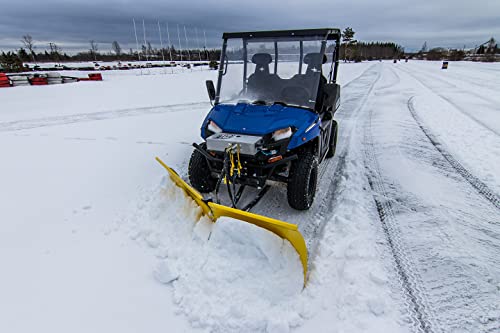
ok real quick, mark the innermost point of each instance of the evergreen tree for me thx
(10, 62)
(348, 40)
(116, 48)
(23, 55)
(424, 48)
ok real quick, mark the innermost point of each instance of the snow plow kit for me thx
(267, 127)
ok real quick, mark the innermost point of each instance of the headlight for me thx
(283, 133)
(213, 127)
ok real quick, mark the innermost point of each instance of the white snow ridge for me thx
(226, 276)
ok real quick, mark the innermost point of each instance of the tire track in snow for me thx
(449, 291)
(408, 281)
(436, 247)
(455, 105)
(451, 84)
(343, 114)
(11, 126)
(403, 265)
(475, 182)
(332, 171)
(311, 223)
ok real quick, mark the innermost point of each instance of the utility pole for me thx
(136, 41)
(187, 44)
(197, 43)
(169, 43)
(161, 43)
(145, 44)
(205, 46)
(179, 36)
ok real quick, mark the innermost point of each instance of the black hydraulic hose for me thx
(225, 174)
(217, 186)
(221, 177)
(230, 193)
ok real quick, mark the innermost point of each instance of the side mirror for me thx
(210, 90)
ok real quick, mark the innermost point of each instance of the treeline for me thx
(148, 54)
(353, 50)
(168, 54)
(439, 53)
(13, 61)
(486, 52)
(362, 51)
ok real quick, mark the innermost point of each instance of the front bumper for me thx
(257, 169)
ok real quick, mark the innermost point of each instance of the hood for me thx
(259, 119)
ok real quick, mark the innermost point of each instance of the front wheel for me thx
(302, 181)
(199, 172)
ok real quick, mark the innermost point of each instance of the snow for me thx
(202, 259)
(95, 237)
(119, 90)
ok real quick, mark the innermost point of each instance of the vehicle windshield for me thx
(276, 71)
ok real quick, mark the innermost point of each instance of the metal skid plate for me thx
(248, 143)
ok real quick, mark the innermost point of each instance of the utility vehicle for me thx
(273, 114)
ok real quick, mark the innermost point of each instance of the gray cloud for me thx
(72, 23)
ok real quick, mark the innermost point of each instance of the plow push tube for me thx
(213, 211)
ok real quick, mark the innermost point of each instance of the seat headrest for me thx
(314, 59)
(262, 58)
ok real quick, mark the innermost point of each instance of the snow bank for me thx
(227, 276)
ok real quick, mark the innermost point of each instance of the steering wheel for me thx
(295, 94)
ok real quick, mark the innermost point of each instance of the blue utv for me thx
(273, 115)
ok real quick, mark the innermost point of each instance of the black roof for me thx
(328, 33)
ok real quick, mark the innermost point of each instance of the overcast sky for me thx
(72, 23)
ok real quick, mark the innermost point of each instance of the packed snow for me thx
(95, 237)
(202, 259)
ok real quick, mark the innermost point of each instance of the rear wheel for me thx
(199, 172)
(332, 144)
(302, 181)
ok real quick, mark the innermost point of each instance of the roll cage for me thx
(275, 37)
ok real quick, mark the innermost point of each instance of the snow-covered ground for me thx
(404, 234)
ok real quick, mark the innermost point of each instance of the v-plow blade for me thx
(213, 211)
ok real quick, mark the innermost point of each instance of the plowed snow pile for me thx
(230, 275)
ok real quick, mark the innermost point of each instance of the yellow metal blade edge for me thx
(284, 230)
(195, 195)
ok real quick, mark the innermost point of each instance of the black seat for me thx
(262, 84)
(314, 62)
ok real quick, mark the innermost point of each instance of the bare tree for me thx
(116, 48)
(93, 49)
(55, 52)
(29, 45)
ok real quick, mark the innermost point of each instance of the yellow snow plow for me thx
(213, 211)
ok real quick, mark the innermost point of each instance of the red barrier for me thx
(39, 81)
(4, 81)
(95, 77)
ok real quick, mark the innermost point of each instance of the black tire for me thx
(332, 144)
(199, 174)
(302, 181)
